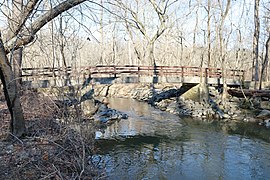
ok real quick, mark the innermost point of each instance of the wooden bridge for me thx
(128, 73)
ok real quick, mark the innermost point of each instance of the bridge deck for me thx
(169, 74)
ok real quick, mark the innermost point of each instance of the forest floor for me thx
(49, 150)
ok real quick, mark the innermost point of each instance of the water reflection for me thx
(162, 146)
(143, 120)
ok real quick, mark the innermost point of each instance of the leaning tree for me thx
(24, 22)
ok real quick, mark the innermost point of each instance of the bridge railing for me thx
(116, 71)
(45, 71)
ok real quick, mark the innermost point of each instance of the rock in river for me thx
(89, 107)
(264, 114)
(108, 115)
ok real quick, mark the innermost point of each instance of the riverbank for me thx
(49, 149)
(184, 101)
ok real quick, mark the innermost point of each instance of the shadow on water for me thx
(156, 145)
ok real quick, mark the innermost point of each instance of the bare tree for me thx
(222, 55)
(255, 66)
(133, 20)
(102, 34)
(16, 55)
(265, 61)
(208, 10)
(23, 34)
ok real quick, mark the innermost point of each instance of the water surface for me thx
(153, 144)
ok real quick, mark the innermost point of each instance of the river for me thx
(152, 144)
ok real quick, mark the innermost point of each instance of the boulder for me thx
(108, 115)
(143, 94)
(89, 107)
(265, 123)
(173, 108)
(264, 114)
(163, 104)
(192, 94)
(265, 105)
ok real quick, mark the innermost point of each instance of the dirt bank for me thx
(48, 150)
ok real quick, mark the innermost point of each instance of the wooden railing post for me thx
(182, 69)
(114, 69)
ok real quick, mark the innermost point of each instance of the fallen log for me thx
(249, 93)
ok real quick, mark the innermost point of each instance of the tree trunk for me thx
(66, 77)
(17, 123)
(204, 87)
(149, 56)
(255, 67)
(222, 54)
(208, 33)
(265, 62)
(224, 74)
(102, 56)
(150, 59)
(17, 64)
(16, 55)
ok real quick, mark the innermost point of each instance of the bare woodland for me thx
(207, 33)
(188, 33)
